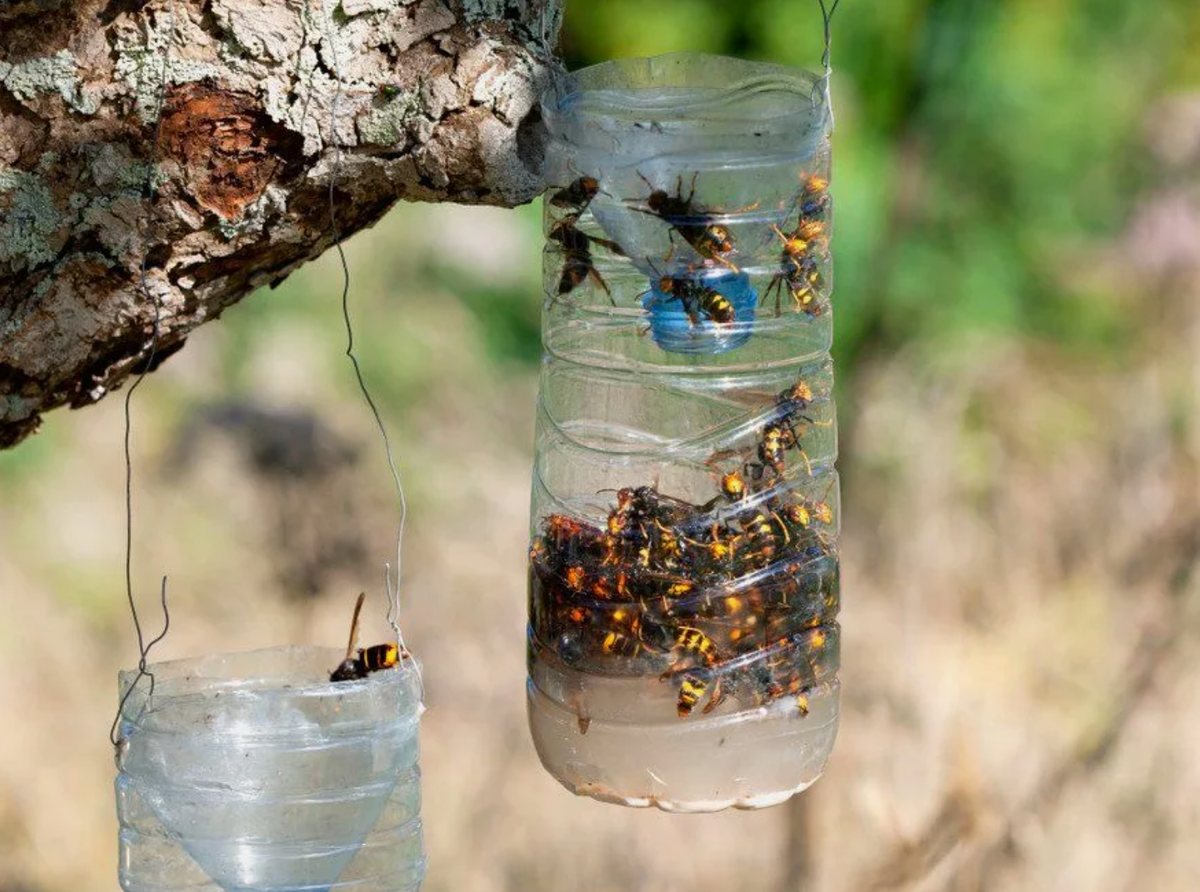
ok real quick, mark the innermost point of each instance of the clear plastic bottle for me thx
(683, 582)
(251, 772)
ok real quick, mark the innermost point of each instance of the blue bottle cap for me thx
(686, 325)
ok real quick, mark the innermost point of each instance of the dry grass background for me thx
(1022, 603)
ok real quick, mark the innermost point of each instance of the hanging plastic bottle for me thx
(683, 579)
(253, 772)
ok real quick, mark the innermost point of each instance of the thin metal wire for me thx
(152, 351)
(827, 15)
(391, 585)
(826, 55)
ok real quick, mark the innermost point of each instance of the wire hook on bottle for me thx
(145, 368)
(827, 13)
(143, 670)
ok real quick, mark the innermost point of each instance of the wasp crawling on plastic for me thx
(369, 659)
(814, 198)
(802, 249)
(697, 226)
(577, 195)
(799, 272)
(578, 264)
(780, 434)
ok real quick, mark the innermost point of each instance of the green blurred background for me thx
(1017, 193)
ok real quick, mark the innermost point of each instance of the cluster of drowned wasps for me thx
(737, 596)
(803, 247)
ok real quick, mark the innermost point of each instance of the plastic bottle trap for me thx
(252, 772)
(683, 566)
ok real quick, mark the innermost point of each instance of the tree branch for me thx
(438, 102)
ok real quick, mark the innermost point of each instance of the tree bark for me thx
(434, 100)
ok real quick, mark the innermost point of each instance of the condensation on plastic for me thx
(636, 391)
(251, 772)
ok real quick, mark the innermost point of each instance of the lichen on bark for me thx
(249, 101)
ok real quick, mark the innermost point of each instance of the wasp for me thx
(577, 195)
(575, 577)
(713, 550)
(814, 197)
(630, 523)
(695, 664)
(807, 511)
(699, 301)
(795, 399)
(791, 404)
(775, 439)
(565, 541)
(773, 446)
(644, 505)
(733, 487)
(564, 530)
(762, 539)
(693, 643)
(740, 610)
(692, 688)
(623, 634)
(578, 264)
(696, 226)
(370, 659)
(780, 435)
(730, 618)
(798, 270)
(791, 669)
(667, 547)
(611, 586)
(621, 644)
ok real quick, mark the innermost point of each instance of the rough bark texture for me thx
(437, 102)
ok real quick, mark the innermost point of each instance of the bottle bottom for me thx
(752, 758)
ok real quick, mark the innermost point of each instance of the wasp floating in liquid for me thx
(693, 685)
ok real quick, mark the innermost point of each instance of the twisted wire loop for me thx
(151, 350)
(391, 581)
(827, 13)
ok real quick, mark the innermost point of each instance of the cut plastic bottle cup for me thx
(251, 772)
